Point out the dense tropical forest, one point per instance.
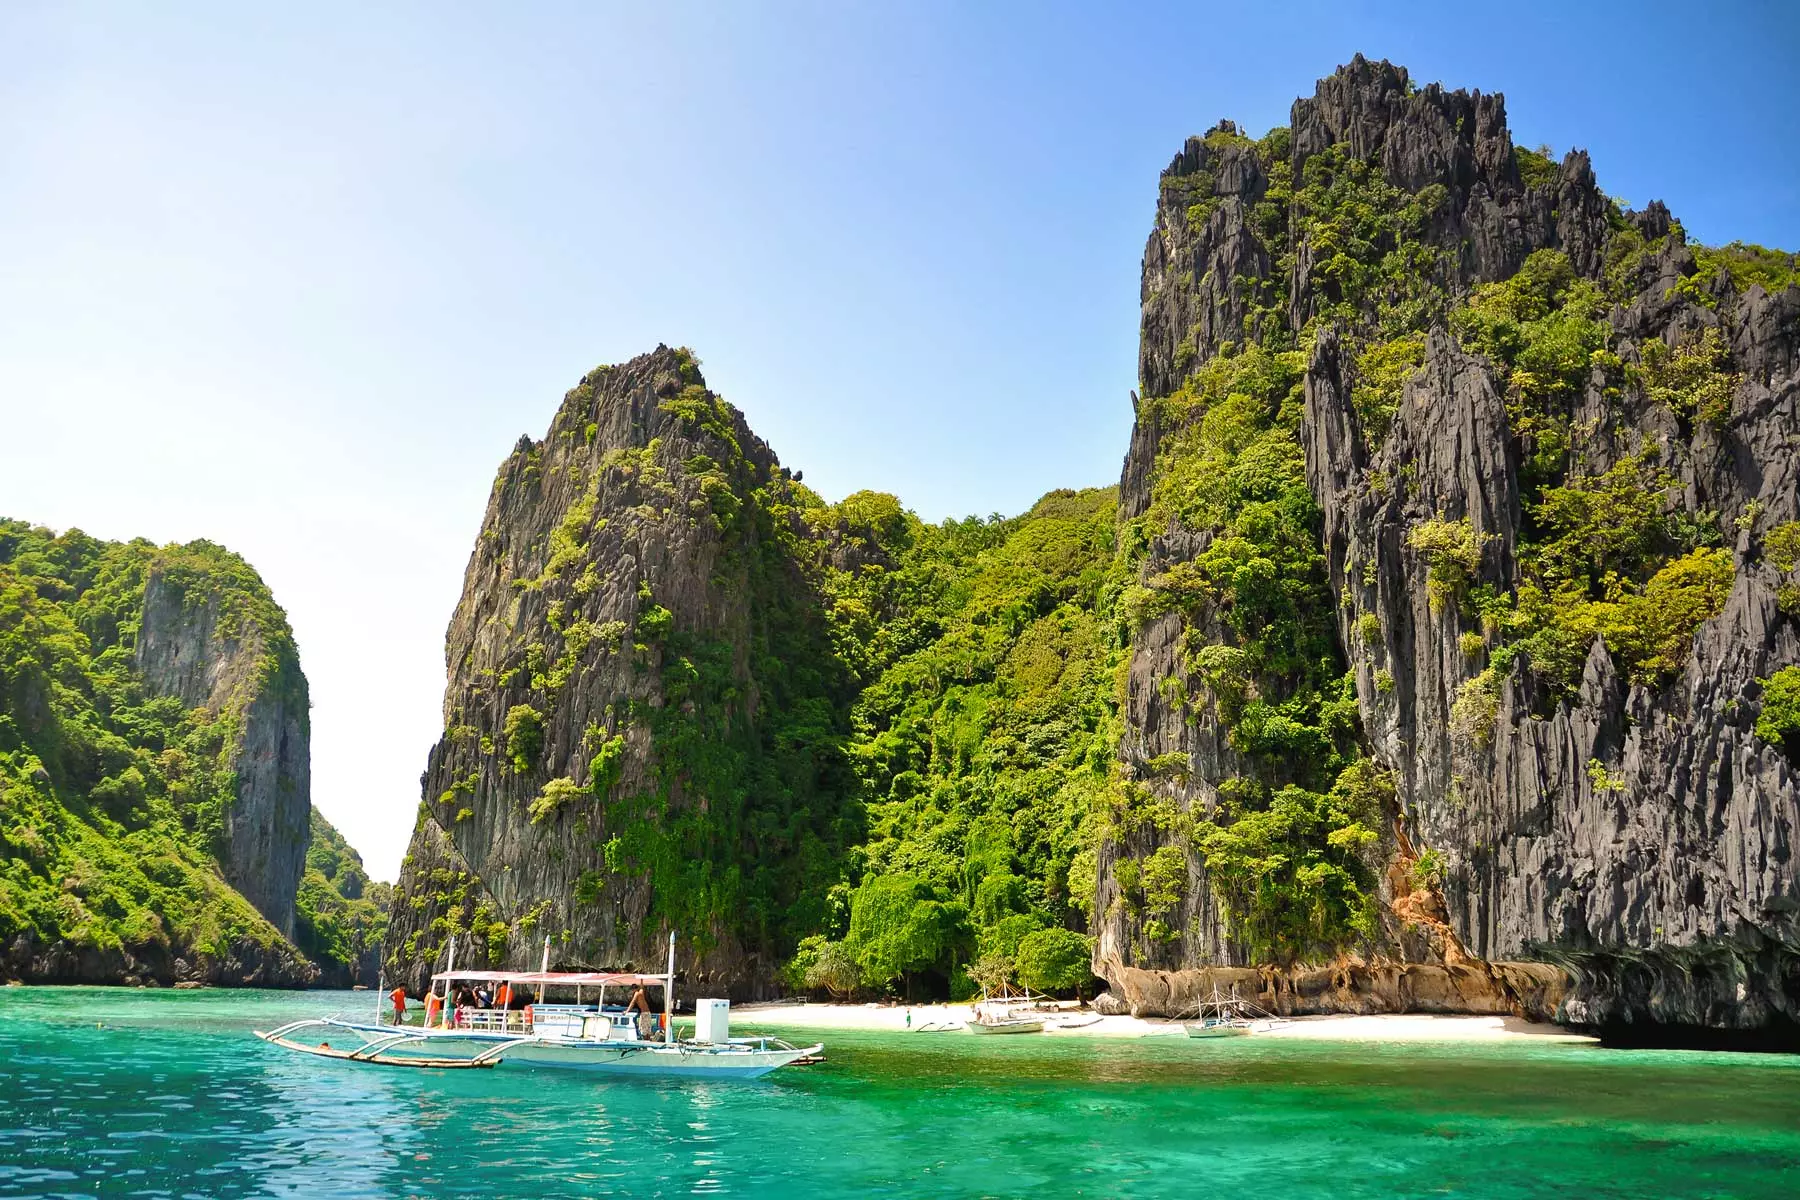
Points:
(981, 741)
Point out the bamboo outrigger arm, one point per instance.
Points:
(375, 1049)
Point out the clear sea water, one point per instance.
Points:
(146, 1093)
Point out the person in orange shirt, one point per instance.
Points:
(503, 998)
(398, 996)
(434, 1006)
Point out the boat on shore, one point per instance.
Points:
(1221, 1016)
(1001, 1013)
(573, 1035)
(1007, 1023)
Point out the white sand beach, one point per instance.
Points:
(1387, 1027)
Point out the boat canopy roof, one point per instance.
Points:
(555, 978)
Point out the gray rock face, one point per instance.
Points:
(188, 648)
(1670, 901)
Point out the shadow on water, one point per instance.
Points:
(170, 1095)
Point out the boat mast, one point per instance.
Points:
(545, 968)
(669, 995)
(449, 966)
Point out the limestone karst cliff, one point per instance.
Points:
(1544, 443)
(644, 716)
(1427, 656)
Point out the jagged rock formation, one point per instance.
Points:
(1669, 887)
(643, 712)
(1633, 829)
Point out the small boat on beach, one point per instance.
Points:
(1008, 1023)
(1221, 1016)
(998, 1014)
(573, 1034)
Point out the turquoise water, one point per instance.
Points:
(121, 1092)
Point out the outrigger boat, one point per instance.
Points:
(572, 1035)
(996, 1014)
(1220, 1015)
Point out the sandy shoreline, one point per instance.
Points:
(1392, 1027)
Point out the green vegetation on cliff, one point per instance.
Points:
(1779, 724)
(1285, 846)
(706, 787)
(1614, 555)
(757, 855)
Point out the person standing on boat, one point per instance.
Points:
(398, 996)
(640, 1004)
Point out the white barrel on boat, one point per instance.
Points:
(712, 1020)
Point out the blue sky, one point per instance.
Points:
(296, 280)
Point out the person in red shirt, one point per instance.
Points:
(398, 996)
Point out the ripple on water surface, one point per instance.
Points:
(165, 1093)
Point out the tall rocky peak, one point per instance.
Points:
(642, 714)
(206, 645)
(1232, 246)
(1475, 364)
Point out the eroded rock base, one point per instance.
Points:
(1354, 986)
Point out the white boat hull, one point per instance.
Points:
(1006, 1027)
(627, 1059)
